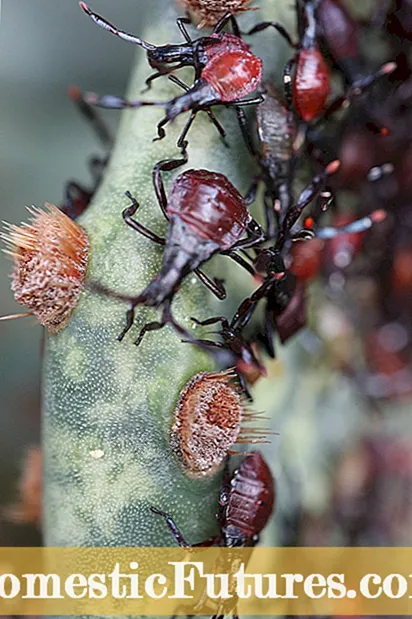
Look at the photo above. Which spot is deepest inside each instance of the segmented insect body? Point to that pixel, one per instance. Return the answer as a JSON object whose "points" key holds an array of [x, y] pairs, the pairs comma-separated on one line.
{"points": [[233, 74], [277, 131], [311, 82], [226, 79], [247, 503], [247, 500], [207, 214], [167, 58]]}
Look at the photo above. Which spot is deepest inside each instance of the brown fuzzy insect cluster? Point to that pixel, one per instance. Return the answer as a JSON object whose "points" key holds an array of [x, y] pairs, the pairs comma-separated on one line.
{"points": [[209, 12], [207, 423], [50, 255]]}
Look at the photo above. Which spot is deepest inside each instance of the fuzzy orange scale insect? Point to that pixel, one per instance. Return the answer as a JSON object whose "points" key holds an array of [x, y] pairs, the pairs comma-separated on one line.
{"points": [[210, 12], [50, 256], [208, 422]]}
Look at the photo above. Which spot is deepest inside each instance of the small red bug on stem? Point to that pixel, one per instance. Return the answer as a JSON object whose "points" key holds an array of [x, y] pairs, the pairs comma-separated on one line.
{"points": [[226, 79], [198, 228], [246, 502], [168, 58]]}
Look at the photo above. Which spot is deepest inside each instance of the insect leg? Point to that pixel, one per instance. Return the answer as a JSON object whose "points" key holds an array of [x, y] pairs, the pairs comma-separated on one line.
{"points": [[103, 23], [181, 24], [93, 118], [172, 526], [273, 24], [127, 216]]}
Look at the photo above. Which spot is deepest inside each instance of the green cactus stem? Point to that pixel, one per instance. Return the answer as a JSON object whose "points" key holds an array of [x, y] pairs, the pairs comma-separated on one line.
{"points": [[107, 406]]}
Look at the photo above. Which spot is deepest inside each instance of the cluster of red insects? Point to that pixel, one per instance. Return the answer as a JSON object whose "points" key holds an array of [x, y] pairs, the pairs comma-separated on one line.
{"points": [[284, 254], [358, 141]]}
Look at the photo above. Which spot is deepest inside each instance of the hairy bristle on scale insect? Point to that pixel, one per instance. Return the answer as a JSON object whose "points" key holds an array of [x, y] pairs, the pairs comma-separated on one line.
{"points": [[208, 422], [50, 256], [209, 12]]}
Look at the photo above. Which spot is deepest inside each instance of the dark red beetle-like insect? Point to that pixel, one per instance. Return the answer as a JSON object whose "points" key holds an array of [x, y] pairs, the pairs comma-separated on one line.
{"points": [[225, 72], [246, 503], [76, 196], [224, 80], [311, 82], [207, 215], [168, 58]]}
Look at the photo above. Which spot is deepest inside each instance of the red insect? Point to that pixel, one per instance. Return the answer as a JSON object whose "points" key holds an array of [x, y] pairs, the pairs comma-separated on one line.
{"points": [[246, 502], [226, 78], [207, 215], [311, 82], [168, 58]]}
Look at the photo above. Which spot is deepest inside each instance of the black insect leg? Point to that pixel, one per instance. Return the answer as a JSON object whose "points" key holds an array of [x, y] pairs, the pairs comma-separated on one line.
{"points": [[272, 24], [287, 82], [181, 144], [307, 195], [160, 73], [98, 125], [212, 321], [129, 321], [246, 102], [225, 20], [255, 236], [246, 309], [234, 256], [244, 128], [181, 24], [172, 526], [269, 333], [215, 286], [127, 216], [150, 326], [166, 165]]}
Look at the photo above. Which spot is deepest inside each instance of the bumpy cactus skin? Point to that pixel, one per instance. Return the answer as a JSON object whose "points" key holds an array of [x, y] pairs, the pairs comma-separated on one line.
{"points": [[108, 405]]}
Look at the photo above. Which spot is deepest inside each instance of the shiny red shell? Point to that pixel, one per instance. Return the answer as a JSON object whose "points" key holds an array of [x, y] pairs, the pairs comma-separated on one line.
{"points": [[311, 84], [233, 74], [252, 496], [306, 259], [210, 205], [225, 42]]}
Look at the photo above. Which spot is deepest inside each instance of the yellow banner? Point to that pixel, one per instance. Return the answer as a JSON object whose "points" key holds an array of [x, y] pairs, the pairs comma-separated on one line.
{"points": [[205, 581]]}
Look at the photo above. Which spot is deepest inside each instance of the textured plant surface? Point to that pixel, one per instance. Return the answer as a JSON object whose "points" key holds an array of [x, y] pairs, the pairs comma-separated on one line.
{"points": [[108, 405]]}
